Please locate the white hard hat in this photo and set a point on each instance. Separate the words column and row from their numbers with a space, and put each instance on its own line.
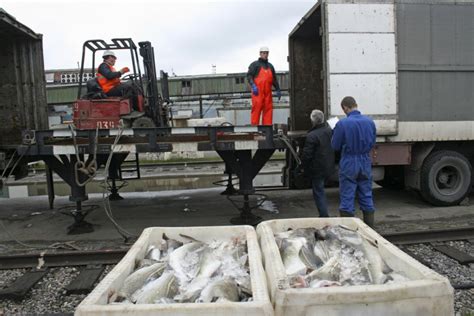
column 108, row 53
column 264, row 49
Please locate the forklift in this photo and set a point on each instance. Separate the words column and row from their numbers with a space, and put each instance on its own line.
column 96, row 110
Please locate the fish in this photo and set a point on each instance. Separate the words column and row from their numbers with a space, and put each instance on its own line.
column 345, row 235
column 234, row 263
column 329, row 271
column 136, row 280
column 165, row 286
column 332, row 256
column 223, row 289
column 353, row 267
column 207, row 267
column 153, row 253
column 167, row 244
column 377, row 267
column 144, row 263
column 284, row 235
column 172, row 243
column 320, row 250
column 290, row 251
column 191, row 292
column 195, row 271
column 208, row 263
column 309, row 234
column 184, row 261
column 309, row 258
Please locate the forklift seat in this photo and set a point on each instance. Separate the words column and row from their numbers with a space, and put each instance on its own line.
column 94, row 91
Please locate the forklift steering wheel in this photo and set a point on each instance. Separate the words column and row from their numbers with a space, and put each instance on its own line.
column 129, row 77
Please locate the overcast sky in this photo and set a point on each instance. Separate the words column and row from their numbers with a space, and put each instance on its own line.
column 188, row 36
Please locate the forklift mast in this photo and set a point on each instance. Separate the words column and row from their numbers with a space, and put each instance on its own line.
column 156, row 108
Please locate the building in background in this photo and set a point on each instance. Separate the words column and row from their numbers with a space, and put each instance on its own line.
column 196, row 96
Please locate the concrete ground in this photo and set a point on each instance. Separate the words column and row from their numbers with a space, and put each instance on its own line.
column 30, row 220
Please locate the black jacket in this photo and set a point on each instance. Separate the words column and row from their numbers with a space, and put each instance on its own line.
column 254, row 69
column 318, row 155
column 105, row 71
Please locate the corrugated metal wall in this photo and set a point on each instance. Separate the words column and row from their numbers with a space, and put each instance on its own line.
column 62, row 94
column 436, row 60
column 231, row 83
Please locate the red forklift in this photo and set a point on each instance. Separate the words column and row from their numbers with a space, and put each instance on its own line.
column 94, row 109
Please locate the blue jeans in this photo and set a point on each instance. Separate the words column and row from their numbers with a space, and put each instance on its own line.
column 320, row 196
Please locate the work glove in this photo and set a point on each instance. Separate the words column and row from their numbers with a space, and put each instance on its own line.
column 254, row 89
column 124, row 70
column 278, row 95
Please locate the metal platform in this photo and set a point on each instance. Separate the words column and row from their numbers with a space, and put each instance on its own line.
column 76, row 155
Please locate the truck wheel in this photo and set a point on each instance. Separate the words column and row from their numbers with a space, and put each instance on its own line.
column 445, row 178
column 143, row 122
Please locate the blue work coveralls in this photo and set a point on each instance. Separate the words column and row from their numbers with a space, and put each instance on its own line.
column 354, row 136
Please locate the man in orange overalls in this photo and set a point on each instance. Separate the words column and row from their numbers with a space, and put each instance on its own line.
column 261, row 77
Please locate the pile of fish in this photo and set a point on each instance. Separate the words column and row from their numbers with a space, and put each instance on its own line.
column 190, row 272
column 332, row 256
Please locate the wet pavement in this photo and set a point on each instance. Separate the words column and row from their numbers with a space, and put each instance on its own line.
column 30, row 219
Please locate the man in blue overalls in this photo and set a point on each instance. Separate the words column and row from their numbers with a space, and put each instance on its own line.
column 354, row 137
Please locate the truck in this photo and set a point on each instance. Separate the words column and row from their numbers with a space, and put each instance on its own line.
column 410, row 66
column 22, row 90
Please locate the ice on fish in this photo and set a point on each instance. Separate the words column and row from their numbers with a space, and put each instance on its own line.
column 193, row 271
column 332, row 256
column 184, row 261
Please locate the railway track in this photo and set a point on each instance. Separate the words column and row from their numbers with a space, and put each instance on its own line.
column 88, row 267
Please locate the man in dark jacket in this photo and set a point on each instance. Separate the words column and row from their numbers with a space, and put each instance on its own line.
column 318, row 159
column 261, row 77
column 354, row 136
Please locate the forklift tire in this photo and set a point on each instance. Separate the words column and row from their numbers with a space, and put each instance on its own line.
column 143, row 122
column 445, row 178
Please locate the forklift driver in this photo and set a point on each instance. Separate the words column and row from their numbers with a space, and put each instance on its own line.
column 109, row 80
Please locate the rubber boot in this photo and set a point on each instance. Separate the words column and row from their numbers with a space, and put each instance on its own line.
column 369, row 218
column 345, row 214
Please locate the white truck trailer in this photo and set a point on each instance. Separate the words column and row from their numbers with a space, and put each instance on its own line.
column 410, row 66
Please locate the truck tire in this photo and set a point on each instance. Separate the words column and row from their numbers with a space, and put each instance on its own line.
column 445, row 178
column 143, row 122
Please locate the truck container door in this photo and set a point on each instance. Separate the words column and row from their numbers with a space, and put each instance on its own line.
column 360, row 58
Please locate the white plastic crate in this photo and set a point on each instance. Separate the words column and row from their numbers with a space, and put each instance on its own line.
column 96, row 302
column 427, row 292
